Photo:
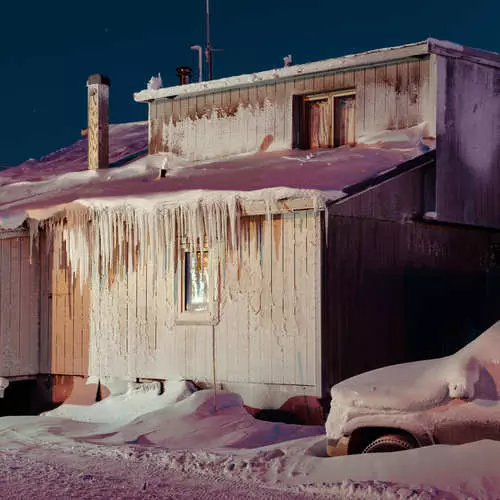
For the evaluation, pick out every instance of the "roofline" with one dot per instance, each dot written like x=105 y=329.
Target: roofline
x=362 y=59
x=20 y=232
x=379 y=56
x=416 y=162
x=450 y=49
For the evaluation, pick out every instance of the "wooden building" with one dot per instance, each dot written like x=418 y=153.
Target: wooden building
x=360 y=265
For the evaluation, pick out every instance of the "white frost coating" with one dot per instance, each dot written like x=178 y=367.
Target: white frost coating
x=4 y=383
x=411 y=137
x=220 y=134
x=124 y=408
x=348 y=61
x=155 y=82
x=115 y=233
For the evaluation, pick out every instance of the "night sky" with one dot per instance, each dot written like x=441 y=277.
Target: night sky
x=47 y=49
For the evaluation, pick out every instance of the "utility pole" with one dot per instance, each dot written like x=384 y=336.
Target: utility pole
x=208 y=48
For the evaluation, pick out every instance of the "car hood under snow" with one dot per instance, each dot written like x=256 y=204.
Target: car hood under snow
x=414 y=386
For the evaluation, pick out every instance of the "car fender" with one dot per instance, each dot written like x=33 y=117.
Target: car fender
x=417 y=425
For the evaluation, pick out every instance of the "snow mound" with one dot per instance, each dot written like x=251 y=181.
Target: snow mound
x=411 y=137
x=203 y=420
x=121 y=409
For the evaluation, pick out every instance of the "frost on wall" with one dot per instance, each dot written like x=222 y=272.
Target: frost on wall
x=220 y=133
x=126 y=251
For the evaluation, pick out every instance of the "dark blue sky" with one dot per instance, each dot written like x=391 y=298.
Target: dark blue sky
x=47 y=49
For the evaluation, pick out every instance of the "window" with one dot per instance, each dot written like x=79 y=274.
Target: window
x=196 y=281
x=196 y=287
x=328 y=120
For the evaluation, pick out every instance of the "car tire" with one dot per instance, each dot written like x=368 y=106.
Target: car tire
x=390 y=442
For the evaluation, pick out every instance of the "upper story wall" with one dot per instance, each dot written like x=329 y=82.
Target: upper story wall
x=468 y=141
x=263 y=116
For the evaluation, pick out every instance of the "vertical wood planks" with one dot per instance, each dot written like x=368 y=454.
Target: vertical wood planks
x=402 y=96
x=414 y=97
x=277 y=359
x=370 y=100
x=359 y=81
x=290 y=292
x=381 y=117
x=390 y=99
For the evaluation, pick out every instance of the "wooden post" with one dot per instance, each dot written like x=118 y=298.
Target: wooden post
x=98 y=99
x=213 y=368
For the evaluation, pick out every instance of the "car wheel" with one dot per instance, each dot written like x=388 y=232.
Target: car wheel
x=390 y=442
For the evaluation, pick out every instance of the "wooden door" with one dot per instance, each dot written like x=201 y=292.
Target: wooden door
x=344 y=120
x=318 y=119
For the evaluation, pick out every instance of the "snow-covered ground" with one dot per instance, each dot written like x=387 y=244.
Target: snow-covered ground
x=177 y=445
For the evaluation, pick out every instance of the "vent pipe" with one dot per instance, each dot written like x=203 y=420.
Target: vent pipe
x=184 y=74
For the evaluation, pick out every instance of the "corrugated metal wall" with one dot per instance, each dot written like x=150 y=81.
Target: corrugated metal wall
x=246 y=119
x=19 y=306
x=269 y=318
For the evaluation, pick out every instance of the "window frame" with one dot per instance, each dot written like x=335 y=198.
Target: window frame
x=331 y=96
x=210 y=315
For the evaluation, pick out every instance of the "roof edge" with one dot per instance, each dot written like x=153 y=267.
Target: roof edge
x=378 y=56
x=450 y=49
x=412 y=163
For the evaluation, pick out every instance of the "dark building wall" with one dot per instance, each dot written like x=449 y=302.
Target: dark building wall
x=396 y=290
x=468 y=142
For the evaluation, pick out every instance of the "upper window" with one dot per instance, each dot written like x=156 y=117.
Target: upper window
x=328 y=120
x=196 y=286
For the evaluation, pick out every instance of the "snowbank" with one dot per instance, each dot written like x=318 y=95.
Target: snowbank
x=201 y=446
x=121 y=409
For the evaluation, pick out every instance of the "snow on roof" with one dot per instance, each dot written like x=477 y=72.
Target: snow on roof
x=326 y=173
x=378 y=56
x=124 y=139
x=373 y=56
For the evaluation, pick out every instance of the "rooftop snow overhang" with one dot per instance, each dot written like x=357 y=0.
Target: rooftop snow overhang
x=363 y=59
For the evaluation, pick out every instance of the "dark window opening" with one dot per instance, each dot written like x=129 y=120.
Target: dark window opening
x=324 y=120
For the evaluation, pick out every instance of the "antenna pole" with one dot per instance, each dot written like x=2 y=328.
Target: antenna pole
x=208 y=49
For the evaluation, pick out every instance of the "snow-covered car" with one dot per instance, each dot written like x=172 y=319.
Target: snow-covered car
x=450 y=400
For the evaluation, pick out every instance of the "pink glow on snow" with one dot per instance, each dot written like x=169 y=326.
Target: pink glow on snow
x=34 y=187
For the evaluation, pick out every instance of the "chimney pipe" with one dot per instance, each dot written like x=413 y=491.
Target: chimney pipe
x=98 y=104
x=184 y=74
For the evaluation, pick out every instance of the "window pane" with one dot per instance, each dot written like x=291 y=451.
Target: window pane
x=196 y=285
x=319 y=123
x=344 y=120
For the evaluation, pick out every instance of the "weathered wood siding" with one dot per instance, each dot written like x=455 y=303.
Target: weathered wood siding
x=388 y=96
x=396 y=290
x=268 y=331
x=468 y=142
x=64 y=314
x=19 y=306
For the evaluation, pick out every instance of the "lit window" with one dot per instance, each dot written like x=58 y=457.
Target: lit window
x=197 y=286
x=196 y=281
